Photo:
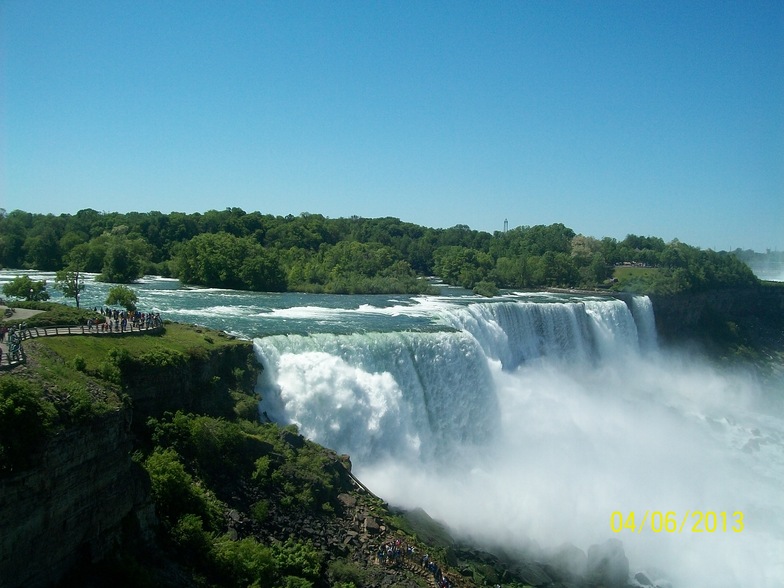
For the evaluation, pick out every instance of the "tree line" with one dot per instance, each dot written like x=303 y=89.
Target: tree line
x=309 y=252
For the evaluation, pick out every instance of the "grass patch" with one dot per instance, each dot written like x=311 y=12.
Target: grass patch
x=622 y=273
x=174 y=344
x=640 y=280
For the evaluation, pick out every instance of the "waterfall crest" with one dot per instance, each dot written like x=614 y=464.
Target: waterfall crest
x=423 y=393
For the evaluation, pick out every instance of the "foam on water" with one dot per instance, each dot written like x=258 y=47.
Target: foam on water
x=380 y=394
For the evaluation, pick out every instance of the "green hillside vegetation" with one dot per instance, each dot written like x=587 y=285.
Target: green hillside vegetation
x=71 y=379
x=312 y=253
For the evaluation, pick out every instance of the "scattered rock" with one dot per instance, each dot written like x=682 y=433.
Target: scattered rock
x=371 y=526
x=347 y=500
x=296 y=441
x=642 y=579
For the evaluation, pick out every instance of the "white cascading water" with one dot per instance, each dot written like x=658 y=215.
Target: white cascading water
x=642 y=311
x=376 y=395
x=536 y=421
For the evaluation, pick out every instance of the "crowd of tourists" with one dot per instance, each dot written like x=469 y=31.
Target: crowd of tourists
x=12 y=336
x=120 y=321
x=395 y=552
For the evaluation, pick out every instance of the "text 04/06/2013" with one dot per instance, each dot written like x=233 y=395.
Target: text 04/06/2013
x=692 y=521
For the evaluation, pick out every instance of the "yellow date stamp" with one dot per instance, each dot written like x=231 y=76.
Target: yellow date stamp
x=692 y=521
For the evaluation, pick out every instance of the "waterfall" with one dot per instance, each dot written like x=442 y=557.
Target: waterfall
x=515 y=332
x=422 y=393
x=642 y=310
x=517 y=421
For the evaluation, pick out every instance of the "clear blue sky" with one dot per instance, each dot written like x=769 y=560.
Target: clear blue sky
x=655 y=118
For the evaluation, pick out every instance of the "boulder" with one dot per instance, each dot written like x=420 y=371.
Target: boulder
x=607 y=564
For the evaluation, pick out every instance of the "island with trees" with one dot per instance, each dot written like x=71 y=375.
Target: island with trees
x=312 y=253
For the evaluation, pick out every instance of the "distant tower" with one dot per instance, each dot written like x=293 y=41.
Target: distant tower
x=506 y=225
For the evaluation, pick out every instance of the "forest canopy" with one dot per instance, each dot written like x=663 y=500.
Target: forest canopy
x=309 y=252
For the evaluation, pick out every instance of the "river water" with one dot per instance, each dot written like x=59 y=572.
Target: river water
x=524 y=421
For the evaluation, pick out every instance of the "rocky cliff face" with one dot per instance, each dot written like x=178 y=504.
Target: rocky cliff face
x=757 y=313
x=74 y=505
x=197 y=384
x=86 y=495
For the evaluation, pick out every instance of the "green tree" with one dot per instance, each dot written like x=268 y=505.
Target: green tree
x=123 y=296
x=223 y=260
x=123 y=262
x=245 y=562
x=13 y=232
x=462 y=265
x=24 y=287
x=556 y=269
x=70 y=281
x=88 y=256
x=43 y=250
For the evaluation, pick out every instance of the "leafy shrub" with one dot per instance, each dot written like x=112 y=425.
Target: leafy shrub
x=190 y=538
x=295 y=582
x=161 y=357
x=79 y=363
x=246 y=406
x=109 y=371
x=119 y=356
x=344 y=572
x=176 y=492
x=262 y=472
x=259 y=510
x=295 y=558
x=78 y=404
x=112 y=368
x=197 y=353
x=216 y=449
x=243 y=563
